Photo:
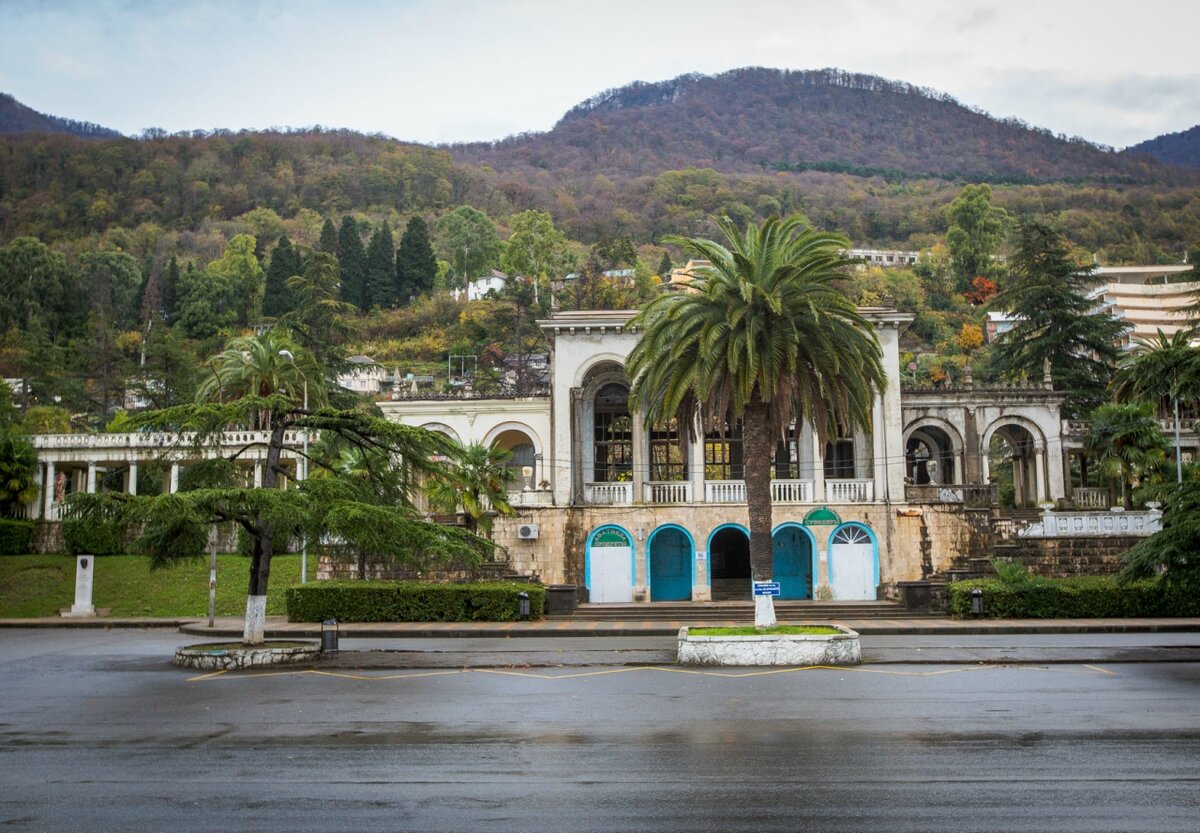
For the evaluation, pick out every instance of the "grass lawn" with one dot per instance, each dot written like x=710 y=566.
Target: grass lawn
x=750 y=630
x=39 y=585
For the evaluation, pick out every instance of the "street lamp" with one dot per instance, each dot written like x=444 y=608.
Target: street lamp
x=287 y=354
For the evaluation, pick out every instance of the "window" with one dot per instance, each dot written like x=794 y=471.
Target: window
x=667 y=461
x=612 y=435
x=839 y=458
x=723 y=452
x=852 y=534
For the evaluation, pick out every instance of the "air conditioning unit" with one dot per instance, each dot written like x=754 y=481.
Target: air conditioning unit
x=527 y=532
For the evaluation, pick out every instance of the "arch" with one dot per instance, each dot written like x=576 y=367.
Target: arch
x=674 y=568
x=1000 y=422
x=443 y=428
x=947 y=427
x=1027 y=445
x=735 y=586
x=795 y=577
x=592 y=368
x=857 y=551
x=615 y=571
x=496 y=431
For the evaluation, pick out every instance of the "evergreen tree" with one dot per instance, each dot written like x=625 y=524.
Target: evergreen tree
x=416 y=264
x=977 y=228
x=352 y=260
x=1046 y=292
x=170 y=289
x=381 y=268
x=329 y=238
x=664 y=266
x=285 y=262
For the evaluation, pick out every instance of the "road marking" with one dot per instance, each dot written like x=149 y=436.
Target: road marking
x=668 y=669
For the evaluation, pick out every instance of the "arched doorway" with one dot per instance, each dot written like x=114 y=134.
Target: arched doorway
x=608 y=565
x=853 y=563
x=729 y=560
x=930 y=458
x=670 y=550
x=793 y=551
x=1012 y=461
x=520 y=445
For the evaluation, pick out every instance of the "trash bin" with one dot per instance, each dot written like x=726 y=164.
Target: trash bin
x=560 y=600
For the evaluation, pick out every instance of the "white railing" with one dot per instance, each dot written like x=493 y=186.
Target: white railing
x=1093 y=524
x=1090 y=498
x=791 y=491
x=608 y=494
x=152 y=439
x=724 y=491
x=849 y=491
x=668 y=491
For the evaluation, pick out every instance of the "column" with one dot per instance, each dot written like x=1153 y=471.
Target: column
x=258 y=474
x=576 y=462
x=91 y=477
x=49 y=490
x=173 y=482
x=879 y=461
x=641 y=468
x=696 y=465
x=131 y=478
x=1039 y=471
x=985 y=468
x=818 y=463
x=35 y=510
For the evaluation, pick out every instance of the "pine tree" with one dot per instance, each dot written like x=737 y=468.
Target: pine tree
x=664 y=266
x=381 y=268
x=1047 y=293
x=329 y=238
x=170 y=288
x=285 y=262
x=416 y=264
x=352 y=259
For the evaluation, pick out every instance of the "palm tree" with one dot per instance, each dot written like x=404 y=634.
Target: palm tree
x=18 y=464
x=1127 y=444
x=261 y=365
x=761 y=334
x=1160 y=370
x=478 y=481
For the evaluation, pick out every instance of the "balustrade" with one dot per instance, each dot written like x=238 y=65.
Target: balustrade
x=1090 y=498
x=608 y=494
x=674 y=491
x=849 y=491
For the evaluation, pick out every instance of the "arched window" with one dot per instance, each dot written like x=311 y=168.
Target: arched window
x=851 y=534
x=612 y=432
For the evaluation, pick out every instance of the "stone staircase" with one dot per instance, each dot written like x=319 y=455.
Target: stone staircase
x=740 y=611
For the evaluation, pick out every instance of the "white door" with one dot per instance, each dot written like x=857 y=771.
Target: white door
x=852 y=558
x=612 y=575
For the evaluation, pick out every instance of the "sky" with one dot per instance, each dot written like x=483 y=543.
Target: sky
x=464 y=70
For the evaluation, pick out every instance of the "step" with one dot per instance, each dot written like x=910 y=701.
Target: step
x=740 y=611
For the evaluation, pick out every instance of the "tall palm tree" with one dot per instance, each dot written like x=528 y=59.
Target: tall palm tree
x=261 y=365
x=1161 y=370
x=478 y=481
x=1127 y=444
x=18 y=465
x=762 y=334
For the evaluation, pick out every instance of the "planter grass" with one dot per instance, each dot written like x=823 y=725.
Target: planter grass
x=750 y=630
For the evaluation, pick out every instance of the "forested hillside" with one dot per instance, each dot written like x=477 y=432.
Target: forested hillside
x=16 y=118
x=1181 y=148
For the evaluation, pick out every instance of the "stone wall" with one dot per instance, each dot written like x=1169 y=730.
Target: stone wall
x=1065 y=557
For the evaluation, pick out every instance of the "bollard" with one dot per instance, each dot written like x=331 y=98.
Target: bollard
x=523 y=596
x=976 y=602
x=329 y=636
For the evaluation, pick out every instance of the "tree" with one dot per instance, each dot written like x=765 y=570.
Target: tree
x=469 y=241
x=241 y=272
x=381 y=268
x=1170 y=554
x=18 y=465
x=976 y=230
x=206 y=303
x=416 y=264
x=1046 y=292
x=112 y=280
x=329 y=238
x=478 y=481
x=664 y=266
x=37 y=285
x=1126 y=443
x=1162 y=371
x=352 y=263
x=369 y=510
x=535 y=247
x=286 y=261
x=258 y=366
x=762 y=335
x=321 y=321
x=170 y=289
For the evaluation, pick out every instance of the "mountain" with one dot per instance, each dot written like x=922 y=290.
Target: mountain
x=755 y=119
x=16 y=118
x=1181 y=148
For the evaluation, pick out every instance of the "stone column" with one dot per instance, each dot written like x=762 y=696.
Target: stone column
x=818 y=463
x=258 y=474
x=641 y=467
x=131 y=478
x=879 y=459
x=35 y=510
x=91 y=478
x=173 y=481
x=984 y=468
x=576 y=455
x=49 y=490
x=696 y=465
x=1039 y=472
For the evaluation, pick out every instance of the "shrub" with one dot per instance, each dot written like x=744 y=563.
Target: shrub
x=94 y=537
x=16 y=537
x=1072 y=598
x=411 y=601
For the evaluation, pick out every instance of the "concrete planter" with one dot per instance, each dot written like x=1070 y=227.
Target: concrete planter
x=210 y=658
x=772 y=649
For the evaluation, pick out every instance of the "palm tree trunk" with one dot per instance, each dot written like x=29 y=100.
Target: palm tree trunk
x=759 y=446
x=262 y=549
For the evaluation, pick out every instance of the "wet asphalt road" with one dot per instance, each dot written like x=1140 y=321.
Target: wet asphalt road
x=98 y=733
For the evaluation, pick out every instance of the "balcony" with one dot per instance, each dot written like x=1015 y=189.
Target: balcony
x=1090 y=498
x=859 y=490
x=608 y=494
x=849 y=491
x=782 y=491
x=673 y=491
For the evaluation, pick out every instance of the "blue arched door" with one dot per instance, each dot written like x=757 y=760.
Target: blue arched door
x=670 y=566
x=793 y=563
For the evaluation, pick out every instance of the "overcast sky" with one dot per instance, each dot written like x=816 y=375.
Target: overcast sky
x=460 y=70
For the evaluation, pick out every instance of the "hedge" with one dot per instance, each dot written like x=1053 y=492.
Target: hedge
x=1072 y=598
x=16 y=537
x=411 y=601
x=94 y=537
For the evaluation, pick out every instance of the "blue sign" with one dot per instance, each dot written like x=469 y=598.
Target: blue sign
x=766 y=588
